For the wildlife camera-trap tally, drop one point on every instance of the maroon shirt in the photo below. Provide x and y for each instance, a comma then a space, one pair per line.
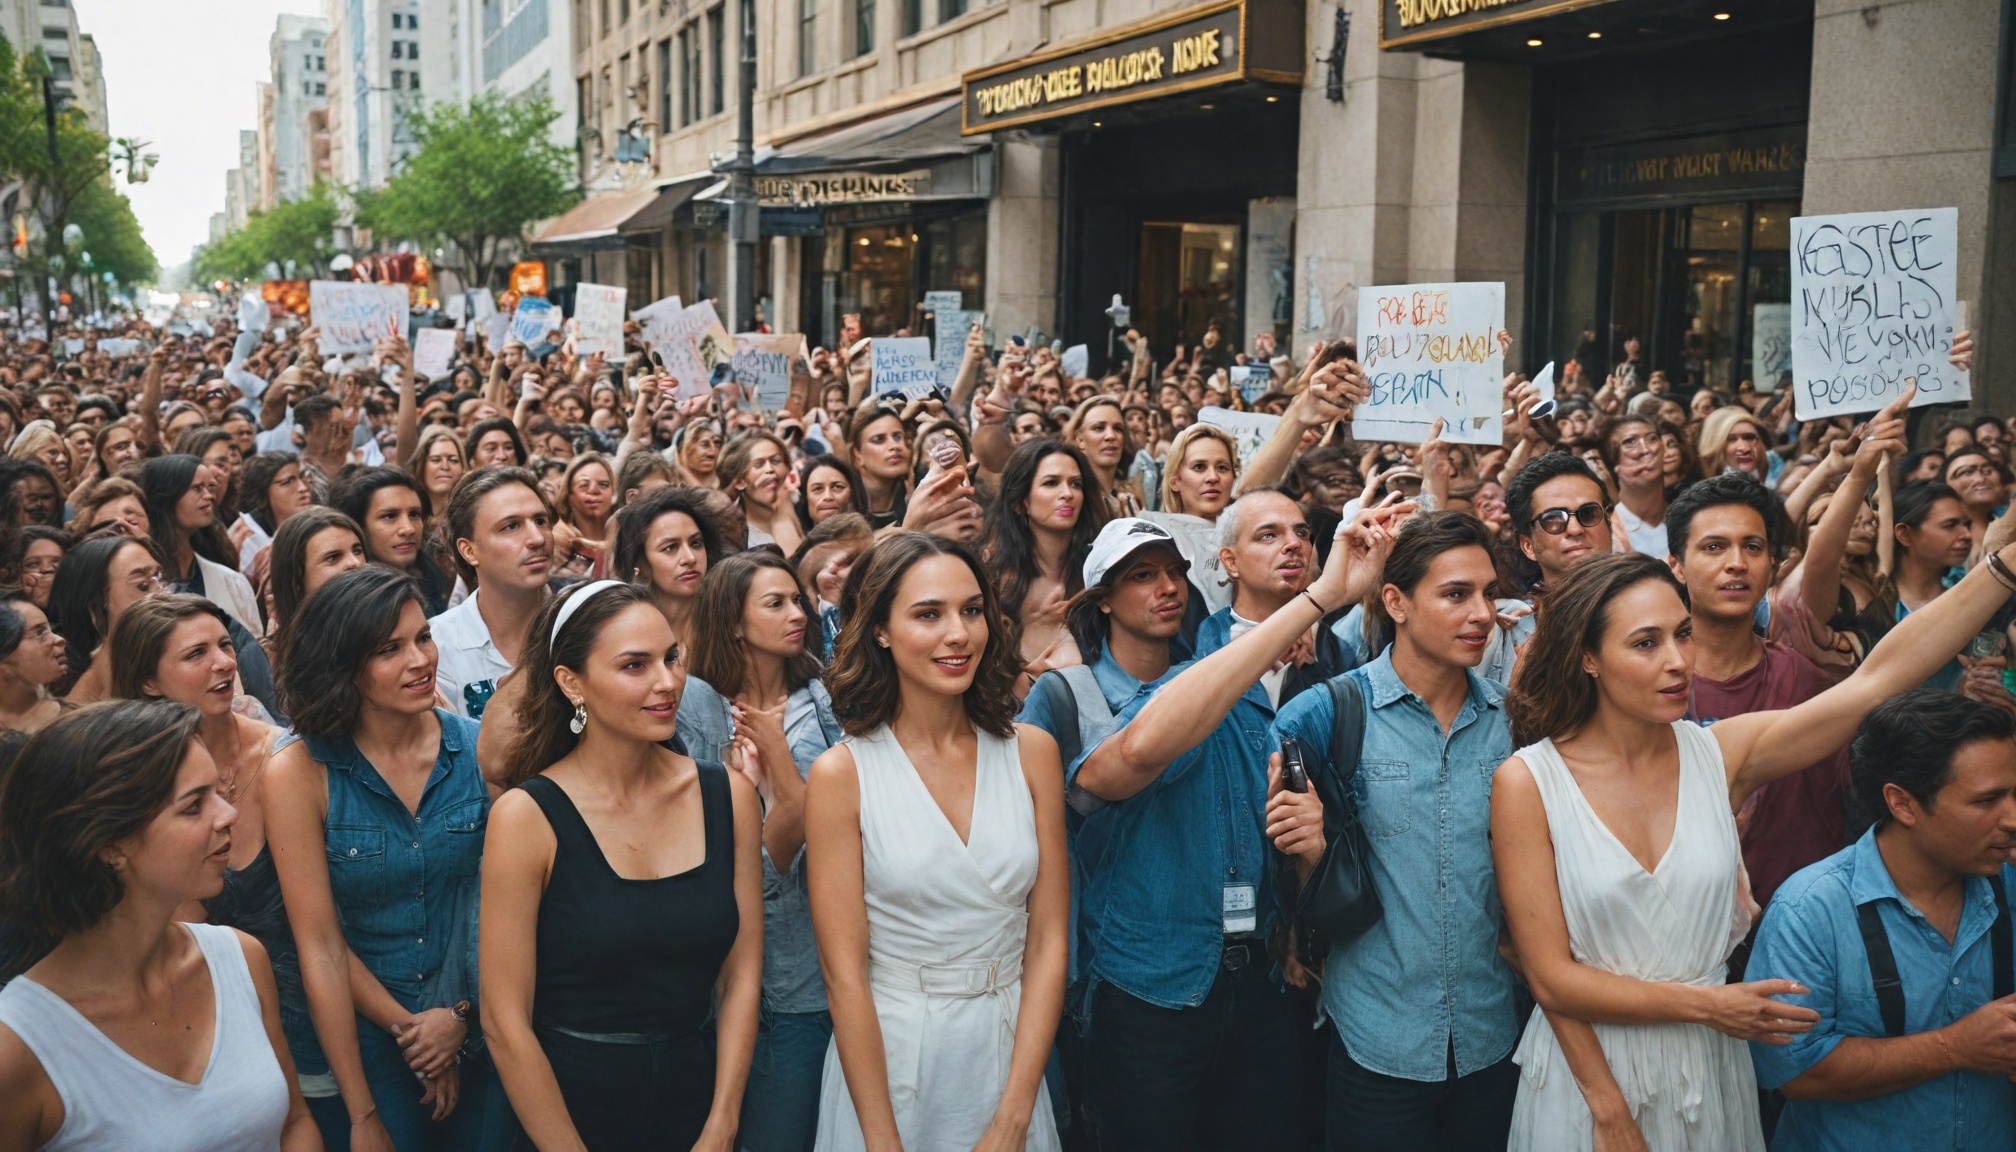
1794, 820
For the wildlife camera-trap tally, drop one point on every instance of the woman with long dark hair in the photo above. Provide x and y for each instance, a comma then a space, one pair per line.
495, 443
311, 549
216, 448
97, 582
1617, 855
182, 511
31, 661
936, 862
754, 469
133, 1030
754, 652
393, 510
621, 896
272, 489
1037, 535
1934, 535
666, 541
827, 486
878, 447
376, 818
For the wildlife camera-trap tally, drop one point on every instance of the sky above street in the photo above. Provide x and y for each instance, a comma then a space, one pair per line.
182, 74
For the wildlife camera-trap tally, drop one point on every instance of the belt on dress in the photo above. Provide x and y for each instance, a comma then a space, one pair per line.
959, 981
631, 1038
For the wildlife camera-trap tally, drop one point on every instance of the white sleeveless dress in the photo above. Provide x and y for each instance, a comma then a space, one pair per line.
1691, 1088
113, 1101
946, 927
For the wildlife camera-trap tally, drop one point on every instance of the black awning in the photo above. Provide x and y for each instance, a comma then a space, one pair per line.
922, 132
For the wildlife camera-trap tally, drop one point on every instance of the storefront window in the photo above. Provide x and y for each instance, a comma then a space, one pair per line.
1189, 281
889, 267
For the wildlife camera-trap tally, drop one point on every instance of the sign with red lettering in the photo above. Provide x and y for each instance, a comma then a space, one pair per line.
1430, 351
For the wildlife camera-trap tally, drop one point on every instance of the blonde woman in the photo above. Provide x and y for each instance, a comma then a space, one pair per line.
40, 442
1733, 440
1098, 428
438, 462
1198, 481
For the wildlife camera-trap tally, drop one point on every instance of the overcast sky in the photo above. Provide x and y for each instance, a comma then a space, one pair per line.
181, 73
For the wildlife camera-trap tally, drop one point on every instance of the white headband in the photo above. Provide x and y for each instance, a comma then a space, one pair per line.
587, 593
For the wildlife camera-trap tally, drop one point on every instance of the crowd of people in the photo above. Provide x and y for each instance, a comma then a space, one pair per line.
557, 754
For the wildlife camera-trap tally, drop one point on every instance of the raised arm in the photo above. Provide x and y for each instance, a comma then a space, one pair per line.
970, 360
1820, 571
1760, 747
840, 924
150, 392
1332, 395
406, 427
1186, 709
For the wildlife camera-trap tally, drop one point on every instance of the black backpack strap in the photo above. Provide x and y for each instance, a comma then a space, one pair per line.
1347, 727
1999, 941
1883, 966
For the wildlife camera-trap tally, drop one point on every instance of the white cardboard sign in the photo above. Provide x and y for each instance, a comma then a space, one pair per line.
1431, 351
902, 364
762, 365
1873, 305
598, 314
354, 315
433, 349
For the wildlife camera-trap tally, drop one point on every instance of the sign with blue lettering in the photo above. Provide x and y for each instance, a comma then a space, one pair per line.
1431, 351
1872, 308
902, 365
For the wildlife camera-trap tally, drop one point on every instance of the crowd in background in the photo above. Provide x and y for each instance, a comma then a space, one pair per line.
555, 753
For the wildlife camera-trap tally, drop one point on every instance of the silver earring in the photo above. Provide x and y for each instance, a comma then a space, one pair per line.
580, 719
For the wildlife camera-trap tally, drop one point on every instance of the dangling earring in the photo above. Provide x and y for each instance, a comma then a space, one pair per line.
580, 719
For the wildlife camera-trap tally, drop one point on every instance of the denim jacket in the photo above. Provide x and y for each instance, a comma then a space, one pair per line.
1427, 979
406, 886
1154, 898
791, 977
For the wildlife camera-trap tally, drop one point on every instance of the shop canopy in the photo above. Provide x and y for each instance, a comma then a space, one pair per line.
918, 134
608, 221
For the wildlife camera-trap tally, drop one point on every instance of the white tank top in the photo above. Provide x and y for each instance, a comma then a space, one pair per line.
113, 1101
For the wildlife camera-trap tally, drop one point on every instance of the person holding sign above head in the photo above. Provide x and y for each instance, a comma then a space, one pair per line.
1625, 905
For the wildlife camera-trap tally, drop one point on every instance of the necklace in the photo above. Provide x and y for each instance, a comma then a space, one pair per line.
227, 779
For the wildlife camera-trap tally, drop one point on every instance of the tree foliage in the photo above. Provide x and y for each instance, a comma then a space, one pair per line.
76, 188
481, 175
297, 232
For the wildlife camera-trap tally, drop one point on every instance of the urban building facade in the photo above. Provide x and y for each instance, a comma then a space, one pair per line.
299, 89
374, 80
470, 48
1628, 168
74, 64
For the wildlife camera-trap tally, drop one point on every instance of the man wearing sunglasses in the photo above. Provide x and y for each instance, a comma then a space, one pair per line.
1561, 513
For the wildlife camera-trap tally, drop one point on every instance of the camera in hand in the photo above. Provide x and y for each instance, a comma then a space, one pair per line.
1294, 770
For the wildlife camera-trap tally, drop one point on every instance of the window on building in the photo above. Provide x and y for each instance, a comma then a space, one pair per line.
399, 47
308, 62
398, 80
689, 73
413, 82
55, 3
57, 33
864, 26
398, 21
717, 63
808, 37
321, 88
412, 49
605, 17
951, 10
664, 85
622, 11
59, 67
321, 64
913, 17
413, 22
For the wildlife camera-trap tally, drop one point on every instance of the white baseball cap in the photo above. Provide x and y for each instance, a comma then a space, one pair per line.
1118, 541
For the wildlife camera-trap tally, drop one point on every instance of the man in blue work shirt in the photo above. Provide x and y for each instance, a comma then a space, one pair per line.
1421, 1006
1922, 1057
1192, 1042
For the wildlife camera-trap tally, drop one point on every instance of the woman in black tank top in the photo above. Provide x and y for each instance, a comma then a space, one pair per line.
622, 889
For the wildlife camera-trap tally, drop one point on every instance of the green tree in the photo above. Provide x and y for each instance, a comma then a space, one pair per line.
481, 175
112, 235
296, 232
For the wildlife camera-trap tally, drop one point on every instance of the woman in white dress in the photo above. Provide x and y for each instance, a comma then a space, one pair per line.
936, 862
1619, 866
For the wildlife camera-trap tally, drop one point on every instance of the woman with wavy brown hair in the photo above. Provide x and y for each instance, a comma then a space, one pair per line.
936, 860
1618, 861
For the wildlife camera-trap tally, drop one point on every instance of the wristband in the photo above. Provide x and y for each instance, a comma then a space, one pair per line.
1319, 604
2000, 571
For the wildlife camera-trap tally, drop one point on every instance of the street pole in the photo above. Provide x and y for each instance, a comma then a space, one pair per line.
54, 227
742, 209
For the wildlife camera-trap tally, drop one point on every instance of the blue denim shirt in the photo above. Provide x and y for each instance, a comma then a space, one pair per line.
1427, 978
791, 978
1115, 682
406, 886
1810, 934
1154, 897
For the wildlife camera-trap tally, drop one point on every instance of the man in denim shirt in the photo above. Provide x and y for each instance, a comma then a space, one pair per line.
1941, 770
1192, 1043
1422, 1003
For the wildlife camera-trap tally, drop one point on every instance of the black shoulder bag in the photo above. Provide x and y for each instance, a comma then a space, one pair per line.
1338, 903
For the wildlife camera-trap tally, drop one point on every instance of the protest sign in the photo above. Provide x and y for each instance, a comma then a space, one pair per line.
433, 348
598, 313
667, 329
73, 346
941, 302
1076, 362
253, 311
1770, 345
1543, 384
1249, 429
353, 316
902, 364
952, 326
1872, 308
535, 322
1429, 351
762, 366
482, 306
659, 322
710, 336
1252, 380
496, 330
119, 347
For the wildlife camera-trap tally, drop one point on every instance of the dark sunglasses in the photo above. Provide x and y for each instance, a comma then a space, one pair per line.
1554, 521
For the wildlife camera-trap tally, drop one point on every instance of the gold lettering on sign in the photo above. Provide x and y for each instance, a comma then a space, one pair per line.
840, 188
1414, 13
1195, 53
1708, 165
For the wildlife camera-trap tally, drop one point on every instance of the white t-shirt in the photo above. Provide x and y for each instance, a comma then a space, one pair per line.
1647, 538
467, 658
1270, 680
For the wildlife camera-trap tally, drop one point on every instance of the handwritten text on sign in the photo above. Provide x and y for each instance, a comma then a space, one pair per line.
762, 365
354, 316
1428, 351
902, 364
1872, 307
598, 312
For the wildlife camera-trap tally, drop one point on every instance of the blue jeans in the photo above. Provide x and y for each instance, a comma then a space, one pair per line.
481, 1121
780, 1108
333, 1120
